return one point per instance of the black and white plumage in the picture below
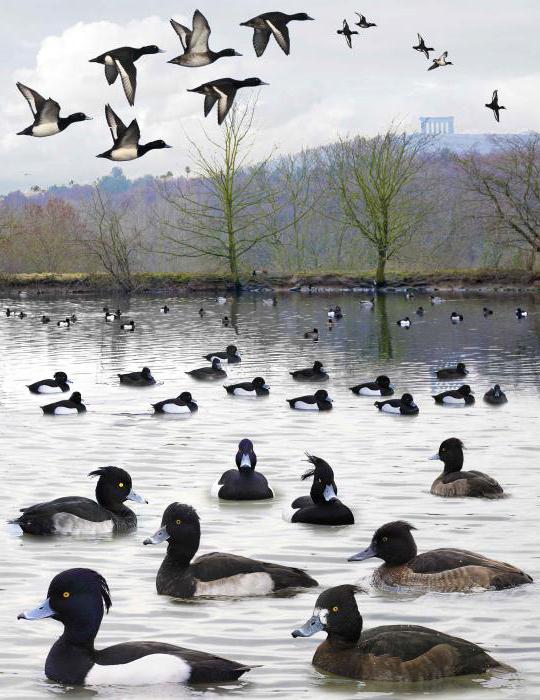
(380, 387)
(195, 44)
(521, 313)
(455, 317)
(313, 334)
(66, 407)
(230, 354)
(273, 24)
(405, 406)
(182, 404)
(317, 373)
(128, 326)
(322, 506)
(215, 371)
(456, 397)
(121, 62)
(440, 62)
(404, 322)
(164, 309)
(223, 91)
(347, 33)
(319, 401)
(142, 378)
(215, 574)
(46, 113)
(76, 515)
(257, 387)
(65, 323)
(57, 385)
(126, 139)
(494, 105)
(421, 46)
(243, 483)
(495, 396)
(362, 22)
(77, 598)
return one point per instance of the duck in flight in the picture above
(363, 23)
(273, 23)
(223, 91)
(494, 105)
(46, 113)
(421, 46)
(126, 139)
(440, 62)
(347, 33)
(122, 61)
(195, 44)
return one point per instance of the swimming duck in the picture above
(273, 23)
(57, 385)
(243, 483)
(368, 303)
(380, 387)
(183, 403)
(398, 653)
(225, 321)
(66, 407)
(126, 144)
(436, 300)
(66, 323)
(322, 506)
(421, 46)
(46, 113)
(201, 312)
(440, 62)
(487, 312)
(257, 387)
(455, 317)
(142, 378)
(111, 315)
(420, 311)
(443, 570)
(76, 598)
(209, 373)
(453, 372)
(128, 326)
(347, 33)
(331, 313)
(122, 61)
(45, 319)
(404, 322)
(223, 91)
(230, 354)
(317, 373)
(195, 44)
(21, 314)
(494, 105)
(216, 573)
(455, 483)
(404, 406)
(164, 309)
(76, 515)
(363, 23)
(319, 401)
(338, 313)
(456, 397)
(495, 396)
(314, 334)
(73, 318)
(221, 300)
(520, 313)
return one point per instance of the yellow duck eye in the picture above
(385, 539)
(178, 522)
(121, 484)
(66, 594)
(335, 608)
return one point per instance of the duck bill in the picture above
(434, 458)
(132, 496)
(312, 626)
(158, 537)
(43, 610)
(329, 493)
(368, 553)
(266, 386)
(245, 463)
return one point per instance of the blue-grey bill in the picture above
(42, 610)
(365, 554)
(158, 537)
(312, 626)
(132, 496)
(434, 457)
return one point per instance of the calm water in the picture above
(380, 463)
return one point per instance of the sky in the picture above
(322, 90)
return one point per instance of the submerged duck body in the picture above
(77, 599)
(396, 653)
(215, 371)
(380, 387)
(57, 385)
(453, 372)
(319, 401)
(317, 373)
(456, 397)
(443, 570)
(66, 407)
(182, 404)
(454, 482)
(75, 515)
(215, 574)
(243, 483)
(405, 406)
(257, 387)
(142, 378)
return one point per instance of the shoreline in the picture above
(487, 281)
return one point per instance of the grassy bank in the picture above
(181, 283)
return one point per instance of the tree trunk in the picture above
(380, 280)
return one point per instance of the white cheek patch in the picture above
(154, 668)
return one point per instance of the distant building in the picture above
(437, 125)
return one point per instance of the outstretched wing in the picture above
(261, 37)
(184, 34)
(445, 55)
(281, 35)
(495, 96)
(226, 100)
(34, 99)
(420, 40)
(128, 76)
(111, 73)
(209, 102)
(116, 125)
(361, 18)
(198, 42)
(49, 112)
(131, 136)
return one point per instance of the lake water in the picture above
(380, 461)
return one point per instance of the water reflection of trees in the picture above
(384, 338)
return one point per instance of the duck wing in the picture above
(111, 72)
(34, 99)
(128, 76)
(116, 125)
(131, 136)
(198, 41)
(281, 35)
(261, 37)
(39, 518)
(49, 112)
(209, 102)
(225, 102)
(184, 34)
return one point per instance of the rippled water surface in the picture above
(380, 462)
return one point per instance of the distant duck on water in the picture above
(440, 62)
(313, 334)
(230, 354)
(436, 300)
(317, 373)
(257, 387)
(128, 326)
(111, 315)
(455, 317)
(453, 372)
(212, 373)
(142, 378)
(57, 385)
(46, 113)
(243, 483)
(347, 33)
(164, 309)
(487, 312)
(319, 401)
(495, 396)
(380, 387)
(66, 323)
(182, 404)
(223, 91)
(456, 397)
(420, 311)
(126, 139)
(454, 483)
(67, 407)
(494, 105)
(521, 313)
(273, 24)
(421, 46)
(21, 314)
(45, 319)
(195, 44)
(404, 322)
(405, 406)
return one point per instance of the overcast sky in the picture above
(322, 89)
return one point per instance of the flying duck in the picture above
(442, 570)
(76, 515)
(183, 403)
(216, 573)
(77, 598)
(440, 62)
(322, 506)
(46, 113)
(452, 372)
(455, 317)
(347, 33)
(398, 653)
(128, 325)
(142, 378)
(455, 483)
(456, 397)
(122, 61)
(363, 23)
(317, 373)
(195, 44)
(495, 396)
(273, 23)
(223, 91)
(257, 387)
(243, 483)
(57, 385)
(380, 387)
(421, 46)
(230, 354)
(404, 322)
(126, 139)
(209, 373)
(319, 401)
(494, 105)
(66, 407)
(404, 406)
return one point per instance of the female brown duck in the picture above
(455, 483)
(443, 570)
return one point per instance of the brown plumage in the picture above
(454, 482)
